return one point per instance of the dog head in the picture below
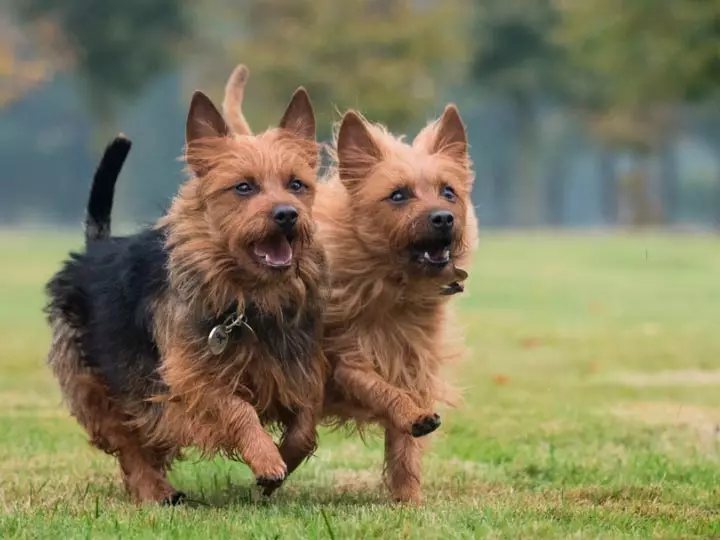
(410, 203)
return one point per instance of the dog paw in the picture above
(425, 425)
(270, 483)
(269, 489)
(272, 476)
(175, 499)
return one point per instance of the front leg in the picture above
(216, 420)
(255, 445)
(403, 463)
(386, 400)
(298, 442)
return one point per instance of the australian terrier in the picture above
(398, 226)
(207, 327)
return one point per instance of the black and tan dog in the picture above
(206, 327)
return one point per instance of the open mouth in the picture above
(275, 251)
(435, 253)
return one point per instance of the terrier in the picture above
(205, 328)
(398, 226)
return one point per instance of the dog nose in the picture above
(442, 220)
(285, 217)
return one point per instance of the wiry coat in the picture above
(131, 317)
(388, 330)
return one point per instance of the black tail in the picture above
(97, 221)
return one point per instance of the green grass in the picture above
(592, 406)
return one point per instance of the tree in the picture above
(516, 60)
(646, 57)
(22, 69)
(389, 58)
(116, 47)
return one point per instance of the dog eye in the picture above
(449, 193)
(400, 195)
(296, 185)
(245, 188)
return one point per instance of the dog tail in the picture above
(232, 101)
(97, 220)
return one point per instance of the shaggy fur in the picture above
(131, 316)
(387, 329)
(387, 326)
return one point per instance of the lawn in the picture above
(592, 409)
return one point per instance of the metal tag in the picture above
(217, 339)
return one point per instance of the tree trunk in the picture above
(669, 184)
(525, 159)
(555, 191)
(608, 186)
(501, 192)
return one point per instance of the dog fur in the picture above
(130, 316)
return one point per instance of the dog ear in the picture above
(233, 99)
(357, 152)
(204, 122)
(450, 137)
(299, 117)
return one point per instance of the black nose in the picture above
(442, 220)
(285, 216)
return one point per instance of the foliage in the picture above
(388, 58)
(514, 53)
(22, 68)
(645, 56)
(117, 47)
(646, 50)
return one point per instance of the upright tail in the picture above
(233, 98)
(97, 220)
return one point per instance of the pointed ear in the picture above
(450, 136)
(204, 122)
(357, 151)
(299, 116)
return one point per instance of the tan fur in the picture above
(386, 332)
(233, 98)
(217, 403)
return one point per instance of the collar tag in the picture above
(219, 336)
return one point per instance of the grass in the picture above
(592, 410)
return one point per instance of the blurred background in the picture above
(580, 113)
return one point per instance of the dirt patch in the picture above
(681, 377)
(705, 421)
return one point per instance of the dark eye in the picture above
(400, 195)
(449, 193)
(245, 188)
(296, 185)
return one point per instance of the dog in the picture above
(399, 229)
(204, 329)
(398, 226)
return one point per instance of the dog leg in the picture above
(298, 443)
(144, 475)
(403, 463)
(386, 400)
(233, 424)
(215, 420)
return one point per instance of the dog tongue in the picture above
(276, 251)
